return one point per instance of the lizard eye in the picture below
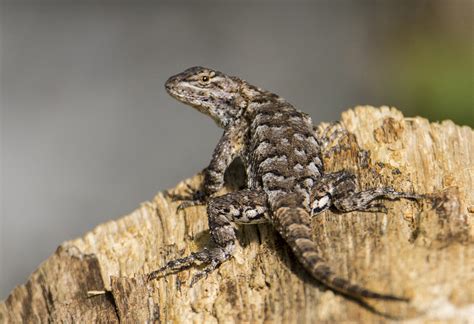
(204, 78)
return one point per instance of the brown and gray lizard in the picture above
(286, 183)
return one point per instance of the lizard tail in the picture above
(294, 224)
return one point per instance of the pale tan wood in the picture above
(421, 250)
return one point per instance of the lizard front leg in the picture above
(338, 190)
(229, 147)
(241, 207)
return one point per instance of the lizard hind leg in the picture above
(368, 200)
(338, 190)
(244, 207)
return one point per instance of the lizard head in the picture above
(211, 92)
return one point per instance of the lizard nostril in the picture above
(172, 80)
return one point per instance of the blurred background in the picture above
(88, 132)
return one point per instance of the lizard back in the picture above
(284, 161)
(283, 154)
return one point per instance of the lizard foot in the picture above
(191, 197)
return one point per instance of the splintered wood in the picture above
(420, 250)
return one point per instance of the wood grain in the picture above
(421, 250)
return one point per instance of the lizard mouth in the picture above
(173, 93)
(197, 102)
(186, 93)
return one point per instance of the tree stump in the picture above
(421, 250)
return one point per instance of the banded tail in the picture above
(294, 224)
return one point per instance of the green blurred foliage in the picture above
(434, 78)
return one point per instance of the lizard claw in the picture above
(393, 194)
(189, 193)
(190, 203)
(191, 197)
(198, 276)
(376, 208)
(155, 274)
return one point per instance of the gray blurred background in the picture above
(88, 132)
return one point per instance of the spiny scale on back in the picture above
(286, 180)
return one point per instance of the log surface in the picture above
(420, 250)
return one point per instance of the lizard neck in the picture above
(252, 97)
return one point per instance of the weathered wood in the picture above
(421, 250)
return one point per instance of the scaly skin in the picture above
(286, 185)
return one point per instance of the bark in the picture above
(420, 250)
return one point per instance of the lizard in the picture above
(286, 181)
